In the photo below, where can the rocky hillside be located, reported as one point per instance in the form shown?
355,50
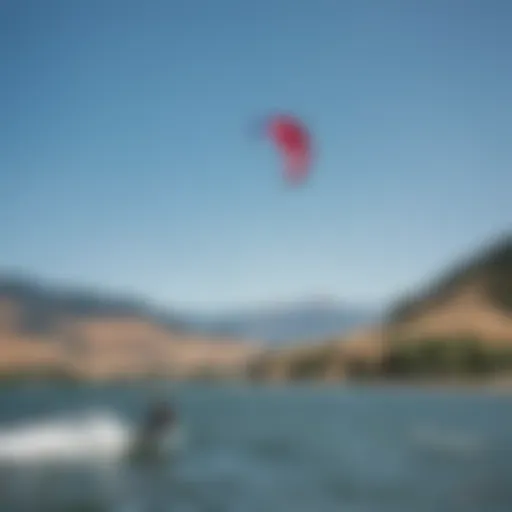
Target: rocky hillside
80,334
41,307
490,269
461,324
473,298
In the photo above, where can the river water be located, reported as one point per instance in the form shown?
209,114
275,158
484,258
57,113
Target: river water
278,449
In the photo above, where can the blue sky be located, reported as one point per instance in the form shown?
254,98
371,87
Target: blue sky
128,159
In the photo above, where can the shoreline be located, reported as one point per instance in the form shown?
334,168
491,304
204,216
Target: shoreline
500,383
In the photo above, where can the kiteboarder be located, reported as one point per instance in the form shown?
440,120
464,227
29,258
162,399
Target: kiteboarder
158,426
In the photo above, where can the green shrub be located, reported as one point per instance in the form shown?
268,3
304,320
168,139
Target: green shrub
433,357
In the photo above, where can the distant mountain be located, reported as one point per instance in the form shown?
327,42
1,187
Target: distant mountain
458,326
488,273
51,331
289,324
42,306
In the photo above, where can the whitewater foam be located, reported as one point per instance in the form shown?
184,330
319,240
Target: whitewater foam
95,435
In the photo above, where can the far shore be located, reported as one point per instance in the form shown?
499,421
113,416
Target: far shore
501,383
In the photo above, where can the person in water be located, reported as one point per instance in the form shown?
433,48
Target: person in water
159,422
160,418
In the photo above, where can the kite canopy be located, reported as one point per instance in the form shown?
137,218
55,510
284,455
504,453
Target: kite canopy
293,141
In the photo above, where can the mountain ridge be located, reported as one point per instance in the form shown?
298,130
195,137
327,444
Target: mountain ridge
44,304
295,322
459,326
491,268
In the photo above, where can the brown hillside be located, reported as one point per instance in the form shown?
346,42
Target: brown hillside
473,301
488,273
63,340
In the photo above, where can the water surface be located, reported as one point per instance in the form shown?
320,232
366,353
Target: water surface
315,449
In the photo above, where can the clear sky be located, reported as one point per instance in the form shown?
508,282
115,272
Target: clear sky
128,158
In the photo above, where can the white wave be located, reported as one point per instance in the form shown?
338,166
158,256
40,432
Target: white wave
94,436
